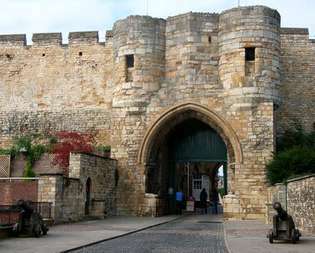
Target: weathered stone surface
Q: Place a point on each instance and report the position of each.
(298, 197)
(190, 65)
(68, 194)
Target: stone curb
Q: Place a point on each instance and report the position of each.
(225, 239)
(121, 235)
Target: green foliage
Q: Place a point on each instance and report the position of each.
(5, 151)
(295, 156)
(52, 140)
(26, 145)
(28, 171)
(103, 148)
(221, 191)
(291, 162)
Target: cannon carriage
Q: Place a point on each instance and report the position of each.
(25, 217)
(283, 226)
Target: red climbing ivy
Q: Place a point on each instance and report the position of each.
(68, 142)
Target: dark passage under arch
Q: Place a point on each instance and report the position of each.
(188, 151)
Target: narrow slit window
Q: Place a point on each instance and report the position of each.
(130, 61)
(249, 54)
(209, 39)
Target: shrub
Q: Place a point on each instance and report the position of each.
(291, 162)
(295, 156)
(70, 142)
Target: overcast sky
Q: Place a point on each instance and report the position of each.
(34, 16)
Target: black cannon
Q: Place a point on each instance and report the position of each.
(31, 221)
(283, 226)
(23, 218)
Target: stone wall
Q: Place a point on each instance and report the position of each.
(297, 80)
(298, 197)
(103, 175)
(48, 187)
(51, 76)
(301, 202)
(68, 194)
(45, 165)
(190, 65)
(15, 123)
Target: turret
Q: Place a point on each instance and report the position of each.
(249, 48)
(139, 55)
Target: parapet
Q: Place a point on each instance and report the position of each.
(297, 31)
(13, 39)
(51, 39)
(260, 10)
(83, 37)
(44, 39)
(214, 17)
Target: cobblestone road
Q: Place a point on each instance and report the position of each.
(190, 234)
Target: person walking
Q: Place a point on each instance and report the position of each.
(203, 200)
(179, 201)
(215, 200)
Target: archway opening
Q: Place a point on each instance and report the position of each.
(186, 155)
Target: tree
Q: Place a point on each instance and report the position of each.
(295, 156)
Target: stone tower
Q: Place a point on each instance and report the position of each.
(237, 73)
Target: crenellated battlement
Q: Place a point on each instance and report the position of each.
(293, 30)
(83, 37)
(53, 39)
(13, 39)
(44, 39)
(92, 37)
(214, 16)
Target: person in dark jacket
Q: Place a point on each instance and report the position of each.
(215, 200)
(203, 199)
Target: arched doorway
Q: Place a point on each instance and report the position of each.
(88, 196)
(187, 145)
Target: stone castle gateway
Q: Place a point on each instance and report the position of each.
(226, 83)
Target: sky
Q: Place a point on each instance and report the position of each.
(37, 16)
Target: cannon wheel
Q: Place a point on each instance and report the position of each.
(44, 229)
(270, 236)
(295, 236)
(37, 230)
(36, 225)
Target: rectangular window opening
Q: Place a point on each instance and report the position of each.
(130, 61)
(249, 54)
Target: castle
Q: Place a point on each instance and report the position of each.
(236, 78)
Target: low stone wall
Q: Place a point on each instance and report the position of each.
(102, 173)
(301, 202)
(297, 196)
(12, 190)
(68, 195)
(232, 207)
